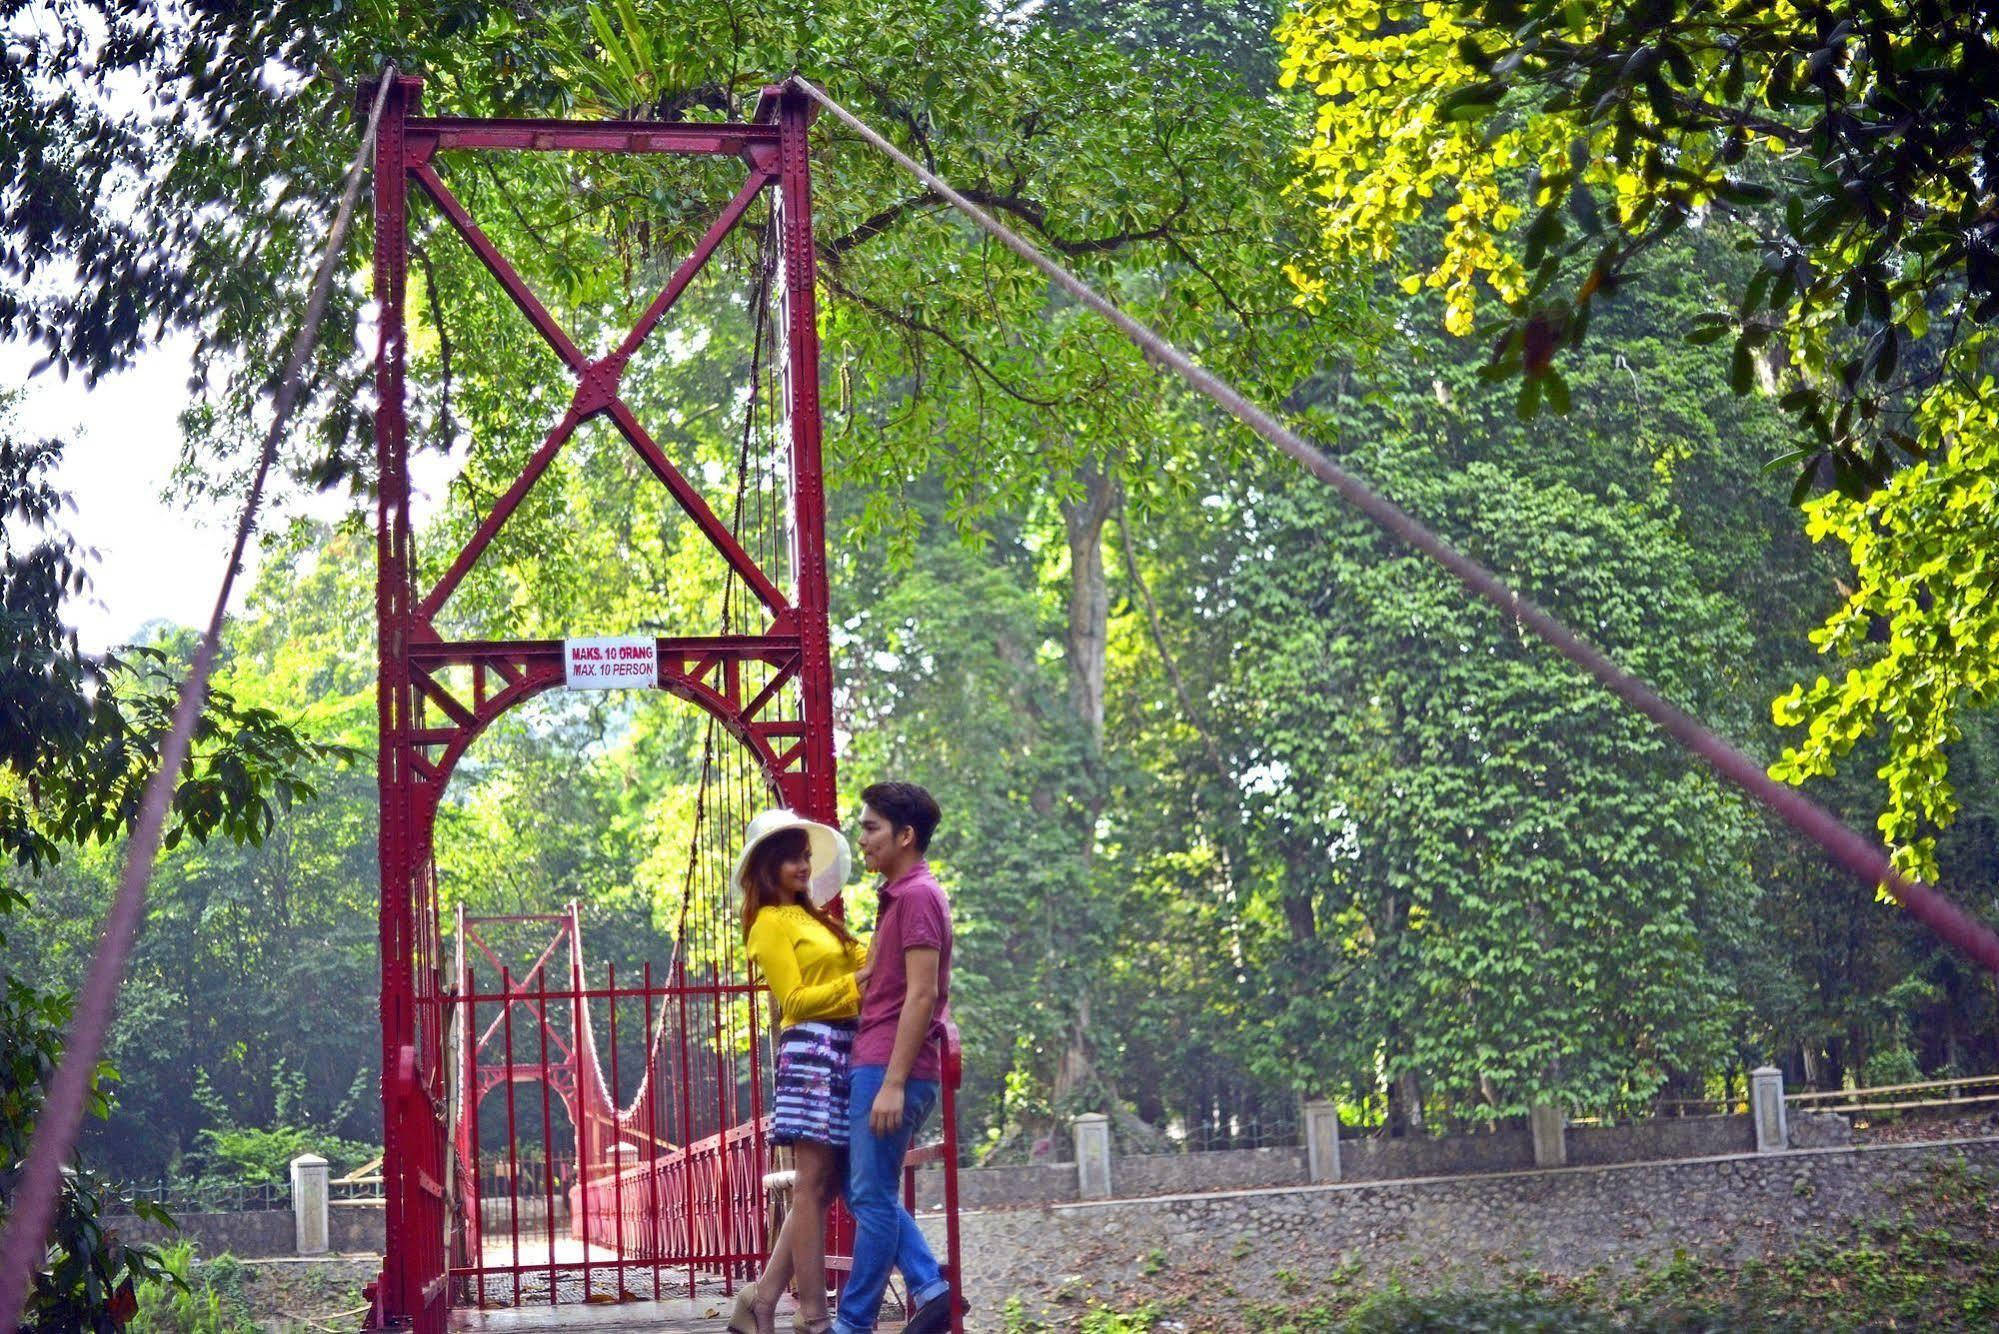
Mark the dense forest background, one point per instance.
(1243, 804)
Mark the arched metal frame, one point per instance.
(426, 725)
(706, 672)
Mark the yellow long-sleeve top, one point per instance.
(810, 972)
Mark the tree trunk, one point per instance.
(1405, 1104)
(1075, 1069)
(1301, 918)
(1405, 1090)
(1083, 520)
(1088, 635)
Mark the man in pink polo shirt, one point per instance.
(895, 1061)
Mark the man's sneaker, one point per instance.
(934, 1316)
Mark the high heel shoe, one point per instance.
(823, 1326)
(743, 1316)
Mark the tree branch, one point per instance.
(832, 250)
(1035, 215)
(912, 323)
(1031, 211)
(436, 304)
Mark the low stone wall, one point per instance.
(999, 1187)
(1375, 1158)
(1462, 1230)
(265, 1232)
(1643, 1141)
(1386, 1159)
(1140, 1174)
(1819, 1130)
(355, 1227)
(1221, 1169)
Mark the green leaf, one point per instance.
(1529, 401)
(1741, 368)
(1556, 392)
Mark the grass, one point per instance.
(224, 1295)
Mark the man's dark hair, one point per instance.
(905, 806)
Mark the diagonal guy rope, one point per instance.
(1862, 857)
(24, 1243)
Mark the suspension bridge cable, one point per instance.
(24, 1243)
(1862, 857)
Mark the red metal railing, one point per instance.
(638, 1211)
(627, 1211)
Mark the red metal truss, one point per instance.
(596, 393)
(435, 696)
(706, 670)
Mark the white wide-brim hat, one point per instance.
(832, 861)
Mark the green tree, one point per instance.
(1370, 750)
(1465, 868)
(82, 737)
(1114, 139)
(88, 1277)
(1845, 144)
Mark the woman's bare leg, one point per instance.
(805, 1225)
(777, 1275)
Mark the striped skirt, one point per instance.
(812, 1081)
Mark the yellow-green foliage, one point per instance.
(1558, 142)
(1383, 147)
(1926, 565)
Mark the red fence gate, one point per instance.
(656, 1186)
(763, 677)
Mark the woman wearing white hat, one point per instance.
(789, 869)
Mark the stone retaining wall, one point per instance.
(355, 1228)
(1460, 1230)
(264, 1232)
(1371, 1158)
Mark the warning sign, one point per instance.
(610, 664)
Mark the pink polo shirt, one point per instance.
(915, 914)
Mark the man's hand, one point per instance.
(885, 1117)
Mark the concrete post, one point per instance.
(310, 1224)
(1766, 1103)
(1322, 1142)
(1093, 1156)
(1551, 1143)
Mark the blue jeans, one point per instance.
(885, 1236)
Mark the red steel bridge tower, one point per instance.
(676, 1178)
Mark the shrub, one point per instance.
(250, 1156)
(188, 1300)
